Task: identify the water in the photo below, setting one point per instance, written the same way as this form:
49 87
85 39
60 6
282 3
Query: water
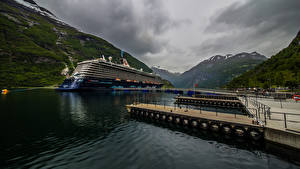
49 129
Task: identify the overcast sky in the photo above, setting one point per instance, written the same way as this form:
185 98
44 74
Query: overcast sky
178 34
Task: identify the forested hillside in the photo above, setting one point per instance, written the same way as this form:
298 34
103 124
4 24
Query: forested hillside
281 69
38 50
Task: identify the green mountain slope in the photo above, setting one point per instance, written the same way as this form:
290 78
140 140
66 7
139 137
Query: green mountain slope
282 69
36 50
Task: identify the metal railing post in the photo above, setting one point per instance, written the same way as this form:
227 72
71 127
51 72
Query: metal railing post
200 109
265 118
256 114
284 116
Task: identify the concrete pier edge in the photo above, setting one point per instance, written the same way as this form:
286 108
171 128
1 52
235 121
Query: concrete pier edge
285 138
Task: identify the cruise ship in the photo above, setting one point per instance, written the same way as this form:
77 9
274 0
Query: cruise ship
100 73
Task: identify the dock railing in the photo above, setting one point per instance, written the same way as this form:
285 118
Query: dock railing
264 114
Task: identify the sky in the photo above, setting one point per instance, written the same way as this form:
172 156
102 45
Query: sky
178 34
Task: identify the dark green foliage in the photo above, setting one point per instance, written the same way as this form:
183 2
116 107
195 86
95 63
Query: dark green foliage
282 69
24 74
34 49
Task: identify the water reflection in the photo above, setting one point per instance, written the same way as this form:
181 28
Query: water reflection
44 128
71 105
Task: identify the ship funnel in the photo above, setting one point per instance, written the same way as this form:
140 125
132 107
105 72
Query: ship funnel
110 58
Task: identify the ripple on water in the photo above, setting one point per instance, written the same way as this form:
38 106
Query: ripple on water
91 130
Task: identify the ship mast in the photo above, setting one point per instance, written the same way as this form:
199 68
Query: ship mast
124 61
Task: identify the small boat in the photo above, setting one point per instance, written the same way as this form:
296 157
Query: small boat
4 91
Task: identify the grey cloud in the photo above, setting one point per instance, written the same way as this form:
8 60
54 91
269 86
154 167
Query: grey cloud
276 13
155 30
118 21
265 25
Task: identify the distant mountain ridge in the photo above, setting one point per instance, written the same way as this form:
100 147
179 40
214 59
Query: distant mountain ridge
165 74
37 49
217 70
282 69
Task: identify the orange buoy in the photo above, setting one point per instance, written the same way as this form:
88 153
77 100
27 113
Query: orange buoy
4 91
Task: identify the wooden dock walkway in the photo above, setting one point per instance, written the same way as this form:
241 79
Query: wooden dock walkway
239 125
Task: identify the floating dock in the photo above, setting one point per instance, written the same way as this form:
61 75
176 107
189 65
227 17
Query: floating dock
220 97
231 124
189 92
221 101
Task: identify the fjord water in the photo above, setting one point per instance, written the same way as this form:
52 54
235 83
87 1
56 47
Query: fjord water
49 129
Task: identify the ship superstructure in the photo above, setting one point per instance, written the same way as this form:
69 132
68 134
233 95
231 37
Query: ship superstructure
99 73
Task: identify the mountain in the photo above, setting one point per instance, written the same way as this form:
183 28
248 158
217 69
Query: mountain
165 74
37 49
282 69
218 70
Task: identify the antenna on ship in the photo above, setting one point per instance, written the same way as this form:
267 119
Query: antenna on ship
103 58
122 54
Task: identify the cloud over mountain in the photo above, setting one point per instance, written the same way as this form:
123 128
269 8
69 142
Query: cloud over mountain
134 26
177 35
264 25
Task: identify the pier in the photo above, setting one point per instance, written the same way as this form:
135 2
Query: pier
232 124
281 119
260 120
